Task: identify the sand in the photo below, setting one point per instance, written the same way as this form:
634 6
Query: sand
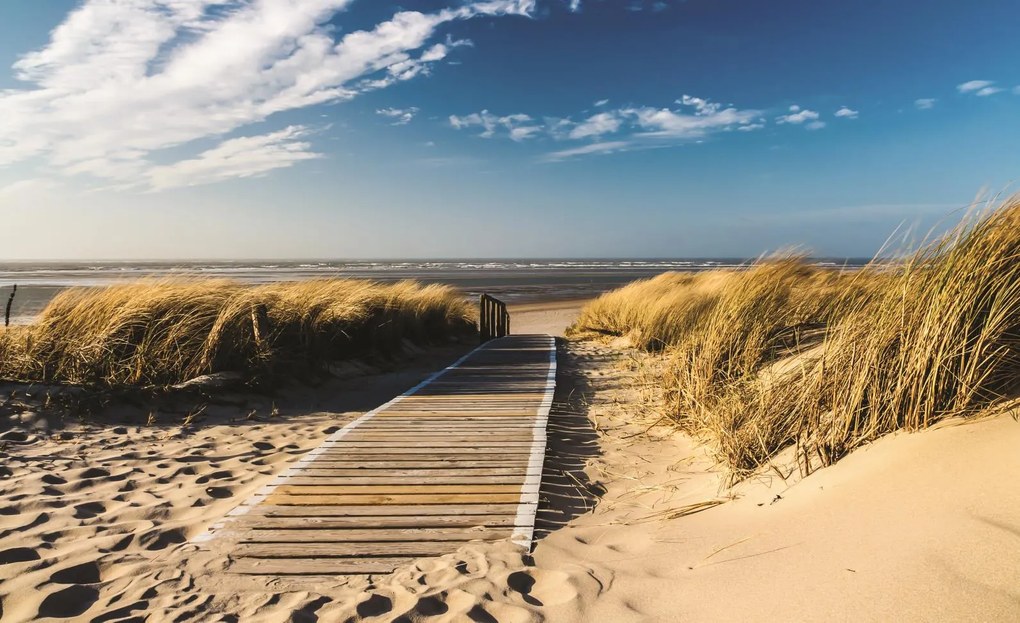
548 317
95 519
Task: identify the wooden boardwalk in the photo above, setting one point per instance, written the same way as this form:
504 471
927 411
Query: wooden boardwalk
455 459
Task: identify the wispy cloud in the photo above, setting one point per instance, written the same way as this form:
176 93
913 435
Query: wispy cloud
400 116
607 147
120 82
597 125
981 88
518 126
247 156
925 103
601 103
637 127
846 113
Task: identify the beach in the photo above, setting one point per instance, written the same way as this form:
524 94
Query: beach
637 520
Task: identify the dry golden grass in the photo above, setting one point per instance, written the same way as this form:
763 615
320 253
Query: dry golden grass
781 353
166 332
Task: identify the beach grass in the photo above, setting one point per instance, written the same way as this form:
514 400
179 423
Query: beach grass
163 332
784 354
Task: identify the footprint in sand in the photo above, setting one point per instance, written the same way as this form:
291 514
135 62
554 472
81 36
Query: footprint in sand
540 587
92 473
84 573
161 539
431 606
88 510
374 606
68 602
18 554
219 492
220 475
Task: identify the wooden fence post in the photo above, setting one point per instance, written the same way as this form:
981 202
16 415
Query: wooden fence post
10 301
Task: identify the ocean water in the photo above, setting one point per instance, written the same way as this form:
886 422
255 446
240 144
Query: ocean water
514 281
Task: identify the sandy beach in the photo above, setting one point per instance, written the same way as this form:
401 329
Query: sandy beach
96 518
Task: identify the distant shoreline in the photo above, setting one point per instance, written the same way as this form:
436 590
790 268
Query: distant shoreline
516 281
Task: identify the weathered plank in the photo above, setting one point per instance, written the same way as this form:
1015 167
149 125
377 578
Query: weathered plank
357 510
349 489
316 566
284 499
280 522
317 534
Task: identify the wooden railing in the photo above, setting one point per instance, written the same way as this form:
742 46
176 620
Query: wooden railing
493 318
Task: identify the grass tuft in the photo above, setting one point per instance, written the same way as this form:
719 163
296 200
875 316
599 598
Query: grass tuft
783 353
165 332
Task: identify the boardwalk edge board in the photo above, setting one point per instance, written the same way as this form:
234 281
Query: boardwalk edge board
533 478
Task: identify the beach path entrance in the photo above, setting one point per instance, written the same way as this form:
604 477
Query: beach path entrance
458 458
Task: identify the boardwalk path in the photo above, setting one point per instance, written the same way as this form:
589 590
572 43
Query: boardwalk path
455 459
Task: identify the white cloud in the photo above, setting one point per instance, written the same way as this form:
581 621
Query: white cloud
925 103
596 125
678 124
974 85
400 116
815 125
846 113
121 81
575 5
601 103
988 91
798 115
247 156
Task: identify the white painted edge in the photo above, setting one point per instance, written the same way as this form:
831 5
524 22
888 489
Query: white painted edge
283 477
524 531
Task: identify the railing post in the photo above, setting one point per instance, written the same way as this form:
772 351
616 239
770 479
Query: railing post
493 318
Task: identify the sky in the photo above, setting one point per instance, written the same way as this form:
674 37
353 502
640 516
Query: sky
170 129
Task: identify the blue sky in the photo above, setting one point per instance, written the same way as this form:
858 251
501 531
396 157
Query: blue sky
497 128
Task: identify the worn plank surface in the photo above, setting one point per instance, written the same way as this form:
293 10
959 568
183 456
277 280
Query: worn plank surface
456 459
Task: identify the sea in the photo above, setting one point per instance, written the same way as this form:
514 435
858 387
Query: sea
513 281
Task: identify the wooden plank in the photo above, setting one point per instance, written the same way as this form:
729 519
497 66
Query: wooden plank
355 510
377 535
381 521
311 479
409 462
423 450
316 566
384 499
348 489
403 475
342 550
449 446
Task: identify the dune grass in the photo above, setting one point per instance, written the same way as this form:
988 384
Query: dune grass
784 354
157 333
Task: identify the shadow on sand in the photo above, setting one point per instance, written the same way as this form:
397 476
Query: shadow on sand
567 491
